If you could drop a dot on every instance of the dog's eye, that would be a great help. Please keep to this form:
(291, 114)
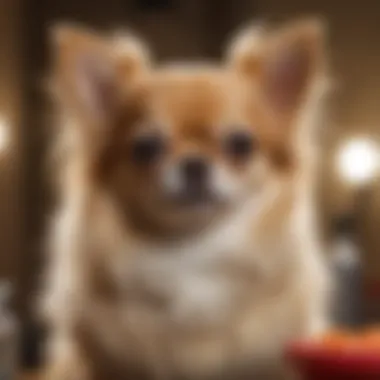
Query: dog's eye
(240, 145)
(146, 149)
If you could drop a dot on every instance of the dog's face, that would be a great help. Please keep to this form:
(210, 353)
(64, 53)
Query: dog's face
(177, 146)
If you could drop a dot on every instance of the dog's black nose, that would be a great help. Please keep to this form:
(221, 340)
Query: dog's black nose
(195, 171)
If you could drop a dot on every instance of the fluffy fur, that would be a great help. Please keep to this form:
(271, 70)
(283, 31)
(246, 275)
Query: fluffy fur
(144, 283)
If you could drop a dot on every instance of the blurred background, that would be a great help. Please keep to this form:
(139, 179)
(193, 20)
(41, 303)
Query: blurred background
(349, 186)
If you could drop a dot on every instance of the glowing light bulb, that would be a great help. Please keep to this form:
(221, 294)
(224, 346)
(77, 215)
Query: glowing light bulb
(358, 161)
(4, 135)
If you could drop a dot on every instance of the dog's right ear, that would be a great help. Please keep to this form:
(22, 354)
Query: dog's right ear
(91, 72)
(284, 64)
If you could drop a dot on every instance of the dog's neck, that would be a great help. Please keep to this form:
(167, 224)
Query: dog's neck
(166, 229)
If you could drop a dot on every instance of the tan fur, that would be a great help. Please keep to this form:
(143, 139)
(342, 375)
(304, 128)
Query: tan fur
(136, 288)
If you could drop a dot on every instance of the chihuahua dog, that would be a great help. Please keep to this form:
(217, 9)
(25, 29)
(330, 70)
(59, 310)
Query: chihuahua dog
(184, 243)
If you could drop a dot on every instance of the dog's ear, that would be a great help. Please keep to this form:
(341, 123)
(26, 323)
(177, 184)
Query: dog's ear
(91, 72)
(282, 63)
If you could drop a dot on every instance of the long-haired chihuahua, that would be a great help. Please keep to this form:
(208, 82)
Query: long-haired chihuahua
(184, 244)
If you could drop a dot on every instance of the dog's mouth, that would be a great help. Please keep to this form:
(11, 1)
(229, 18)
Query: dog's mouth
(196, 197)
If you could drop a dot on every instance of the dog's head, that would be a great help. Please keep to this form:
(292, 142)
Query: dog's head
(176, 146)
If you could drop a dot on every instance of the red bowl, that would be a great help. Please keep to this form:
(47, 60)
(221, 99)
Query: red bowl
(313, 361)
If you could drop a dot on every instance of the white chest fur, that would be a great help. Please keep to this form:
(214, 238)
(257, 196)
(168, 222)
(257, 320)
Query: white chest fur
(193, 278)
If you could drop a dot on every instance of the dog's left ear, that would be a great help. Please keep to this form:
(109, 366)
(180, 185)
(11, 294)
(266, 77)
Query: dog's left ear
(284, 64)
(91, 71)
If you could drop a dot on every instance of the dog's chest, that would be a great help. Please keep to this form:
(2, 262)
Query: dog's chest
(192, 282)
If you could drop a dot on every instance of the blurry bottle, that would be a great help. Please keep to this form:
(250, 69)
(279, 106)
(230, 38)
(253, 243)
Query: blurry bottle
(347, 266)
(8, 335)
